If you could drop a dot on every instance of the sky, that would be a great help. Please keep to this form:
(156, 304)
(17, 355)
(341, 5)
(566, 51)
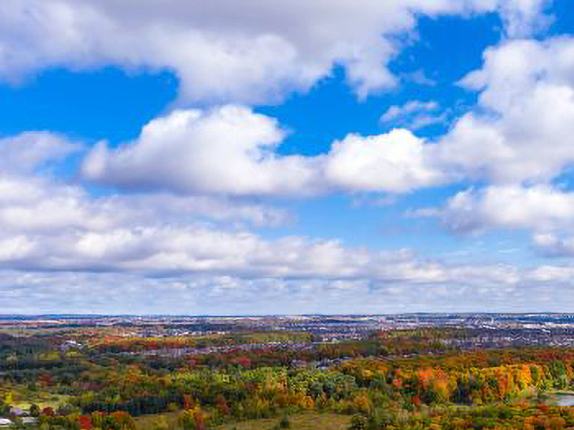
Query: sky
(301, 157)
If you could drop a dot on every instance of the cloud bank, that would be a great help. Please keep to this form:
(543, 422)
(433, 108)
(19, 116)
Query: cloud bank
(251, 51)
(181, 208)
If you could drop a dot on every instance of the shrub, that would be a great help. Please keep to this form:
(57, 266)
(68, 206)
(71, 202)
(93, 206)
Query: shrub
(359, 422)
(284, 423)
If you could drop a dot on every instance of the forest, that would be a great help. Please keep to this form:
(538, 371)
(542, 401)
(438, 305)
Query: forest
(73, 378)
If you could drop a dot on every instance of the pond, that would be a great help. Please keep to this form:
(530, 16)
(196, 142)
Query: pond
(562, 399)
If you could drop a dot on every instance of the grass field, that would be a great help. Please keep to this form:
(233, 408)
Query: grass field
(306, 421)
(169, 420)
(298, 422)
(24, 401)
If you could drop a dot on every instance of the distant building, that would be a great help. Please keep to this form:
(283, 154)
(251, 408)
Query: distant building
(69, 344)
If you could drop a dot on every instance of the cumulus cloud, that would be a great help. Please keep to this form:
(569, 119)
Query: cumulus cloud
(55, 227)
(247, 51)
(134, 255)
(232, 150)
(396, 112)
(554, 245)
(50, 225)
(35, 204)
(73, 292)
(524, 17)
(516, 142)
(397, 161)
(58, 226)
(469, 289)
(414, 115)
(32, 199)
(515, 135)
(229, 149)
(181, 243)
(518, 133)
(539, 207)
(68, 251)
(27, 152)
(546, 211)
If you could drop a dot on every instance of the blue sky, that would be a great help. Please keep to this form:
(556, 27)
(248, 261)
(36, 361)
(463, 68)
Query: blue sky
(316, 157)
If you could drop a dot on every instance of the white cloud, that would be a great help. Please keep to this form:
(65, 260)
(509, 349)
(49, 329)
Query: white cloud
(15, 248)
(36, 206)
(57, 242)
(396, 162)
(414, 106)
(49, 225)
(538, 207)
(554, 245)
(524, 17)
(29, 151)
(32, 200)
(517, 142)
(231, 150)
(515, 135)
(414, 115)
(227, 150)
(552, 274)
(245, 51)
(518, 133)
(153, 247)
(59, 227)
(419, 77)
(252, 268)
(56, 292)
(102, 292)
(63, 249)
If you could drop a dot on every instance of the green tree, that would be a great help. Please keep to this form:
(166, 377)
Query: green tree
(359, 422)
(34, 410)
(284, 423)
